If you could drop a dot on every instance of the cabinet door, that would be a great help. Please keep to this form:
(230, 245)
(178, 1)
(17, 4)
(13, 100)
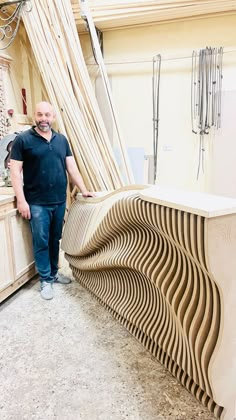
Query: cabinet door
(22, 248)
(6, 258)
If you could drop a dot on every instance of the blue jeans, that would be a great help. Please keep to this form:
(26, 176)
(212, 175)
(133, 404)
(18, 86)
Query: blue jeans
(46, 226)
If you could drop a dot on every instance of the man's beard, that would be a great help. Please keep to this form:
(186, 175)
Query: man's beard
(44, 128)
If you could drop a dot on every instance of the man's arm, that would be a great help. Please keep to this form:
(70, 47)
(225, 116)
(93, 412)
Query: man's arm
(76, 177)
(17, 183)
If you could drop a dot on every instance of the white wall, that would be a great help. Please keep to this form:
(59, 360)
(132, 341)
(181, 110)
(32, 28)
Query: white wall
(132, 92)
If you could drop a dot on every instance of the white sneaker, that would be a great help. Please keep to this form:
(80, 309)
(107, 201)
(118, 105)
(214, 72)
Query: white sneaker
(47, 290)
(60, 278)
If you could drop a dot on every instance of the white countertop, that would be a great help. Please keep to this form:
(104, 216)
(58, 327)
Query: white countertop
(202, 204)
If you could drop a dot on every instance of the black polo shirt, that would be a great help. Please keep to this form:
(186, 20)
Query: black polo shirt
(44, 166)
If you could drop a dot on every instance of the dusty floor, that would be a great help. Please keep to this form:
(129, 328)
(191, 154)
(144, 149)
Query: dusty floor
(69, 359)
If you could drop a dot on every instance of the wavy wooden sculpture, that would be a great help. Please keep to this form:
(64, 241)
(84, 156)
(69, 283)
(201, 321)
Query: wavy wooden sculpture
(164, 263)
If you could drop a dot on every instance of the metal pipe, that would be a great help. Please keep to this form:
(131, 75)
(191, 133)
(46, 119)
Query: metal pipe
(10, 3)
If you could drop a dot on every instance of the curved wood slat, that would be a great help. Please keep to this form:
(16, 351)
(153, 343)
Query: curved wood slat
(149, 265)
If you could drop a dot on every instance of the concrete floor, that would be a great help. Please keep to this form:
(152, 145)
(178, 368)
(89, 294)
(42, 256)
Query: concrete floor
(69, 359)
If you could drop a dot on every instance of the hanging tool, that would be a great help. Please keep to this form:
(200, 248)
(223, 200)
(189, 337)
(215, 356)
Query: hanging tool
(156, 71)
(206, 92)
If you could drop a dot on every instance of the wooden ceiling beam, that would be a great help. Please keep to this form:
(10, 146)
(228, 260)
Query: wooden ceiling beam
(108, 15)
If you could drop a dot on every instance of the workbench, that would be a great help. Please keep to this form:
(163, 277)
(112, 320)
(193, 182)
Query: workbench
(16, 256)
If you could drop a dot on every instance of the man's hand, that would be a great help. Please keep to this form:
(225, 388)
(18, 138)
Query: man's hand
(24, 209)
(76, 177)
(87, 194)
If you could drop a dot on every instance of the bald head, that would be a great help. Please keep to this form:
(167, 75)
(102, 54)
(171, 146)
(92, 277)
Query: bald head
(44, 116)
(44, 107)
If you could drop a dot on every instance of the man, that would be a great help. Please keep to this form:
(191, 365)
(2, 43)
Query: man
(44, 156)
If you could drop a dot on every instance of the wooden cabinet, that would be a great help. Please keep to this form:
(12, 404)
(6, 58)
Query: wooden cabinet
(16, 255)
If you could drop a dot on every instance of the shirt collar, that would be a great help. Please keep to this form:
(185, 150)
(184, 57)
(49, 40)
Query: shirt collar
(33, 131)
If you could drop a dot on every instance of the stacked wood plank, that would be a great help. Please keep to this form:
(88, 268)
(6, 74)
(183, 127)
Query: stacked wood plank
(53, 35)
(112, 14)
(163, 263)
